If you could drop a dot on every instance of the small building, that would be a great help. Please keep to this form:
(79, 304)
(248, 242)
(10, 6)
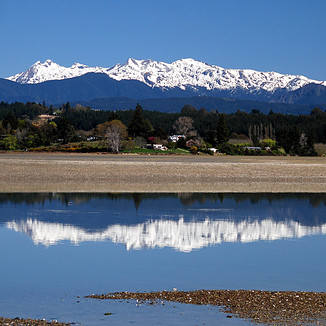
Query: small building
(159, 147)
(175, 138)
(253, 148)
(47, 117)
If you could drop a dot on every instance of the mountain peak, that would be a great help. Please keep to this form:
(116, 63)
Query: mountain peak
(183, 73)
(46, 63)
(78, 65)
(132, 61)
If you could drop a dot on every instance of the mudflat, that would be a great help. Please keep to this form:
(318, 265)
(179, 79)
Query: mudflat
(47, 172)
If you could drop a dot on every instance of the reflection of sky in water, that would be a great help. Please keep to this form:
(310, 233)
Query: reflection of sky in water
(44, 279)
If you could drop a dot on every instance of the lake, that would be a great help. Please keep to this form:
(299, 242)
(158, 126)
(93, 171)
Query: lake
(57, 248)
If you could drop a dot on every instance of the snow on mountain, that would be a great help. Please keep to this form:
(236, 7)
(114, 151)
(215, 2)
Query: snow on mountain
(182, 73)
(180, 235)
(40, 72)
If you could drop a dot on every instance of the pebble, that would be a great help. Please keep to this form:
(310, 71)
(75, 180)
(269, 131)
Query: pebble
(258, 307)
(29, 322)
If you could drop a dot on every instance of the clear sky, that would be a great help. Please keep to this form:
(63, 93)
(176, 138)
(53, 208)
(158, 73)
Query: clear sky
(287, 36)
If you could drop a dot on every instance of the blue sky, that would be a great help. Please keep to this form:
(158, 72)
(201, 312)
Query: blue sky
(286, 36)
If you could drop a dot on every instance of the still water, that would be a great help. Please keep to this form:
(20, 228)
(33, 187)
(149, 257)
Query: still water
(56, 248)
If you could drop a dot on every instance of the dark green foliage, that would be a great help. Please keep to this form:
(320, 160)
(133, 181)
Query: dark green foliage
(211, 137)
(295, 133)
(289, 139)
(222, 130)
(65, 130)
(20, 109)
(181, 143)
(295, 142)
(50, 132)
(188, 110)
(139, 126)
(10, 121)
(159, 133)
(173, 105)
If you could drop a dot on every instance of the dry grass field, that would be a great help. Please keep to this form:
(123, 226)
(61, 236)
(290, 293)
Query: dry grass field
(32, 172)
(320, 149)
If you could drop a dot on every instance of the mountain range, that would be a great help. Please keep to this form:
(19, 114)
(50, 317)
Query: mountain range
(147, 79)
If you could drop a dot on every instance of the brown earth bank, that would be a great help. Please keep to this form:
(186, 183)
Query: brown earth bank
(29, 322)
(258, 307)
(46, 172)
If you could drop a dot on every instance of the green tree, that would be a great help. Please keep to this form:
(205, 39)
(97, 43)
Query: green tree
(50, 131)
(188, 109)
(66, 132)
(10, 122)
(139, 126)
(222, 130)
(289, 139)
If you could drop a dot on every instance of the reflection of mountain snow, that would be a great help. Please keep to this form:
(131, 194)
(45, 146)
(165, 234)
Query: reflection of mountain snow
(180, 235)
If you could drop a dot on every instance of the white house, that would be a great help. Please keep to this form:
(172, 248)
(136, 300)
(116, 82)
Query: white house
(175, 138)
(160, 147)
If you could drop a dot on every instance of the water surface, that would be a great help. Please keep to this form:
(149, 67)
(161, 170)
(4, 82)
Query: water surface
(58, 247)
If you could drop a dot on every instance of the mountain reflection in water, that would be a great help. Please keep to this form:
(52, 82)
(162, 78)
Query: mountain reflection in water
(180, 235)
(181, 221)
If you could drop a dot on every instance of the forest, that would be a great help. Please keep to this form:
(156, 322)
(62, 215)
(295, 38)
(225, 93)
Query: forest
(31, 126)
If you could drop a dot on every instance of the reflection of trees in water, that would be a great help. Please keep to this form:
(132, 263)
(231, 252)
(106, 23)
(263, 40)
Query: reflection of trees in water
(137, 197)
(187, 199)
(26, 198)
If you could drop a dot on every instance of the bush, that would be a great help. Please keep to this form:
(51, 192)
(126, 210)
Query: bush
(230, 149)
(10, 143)
(128, 145)
(193, 150)
(171, 145)
(268, 143)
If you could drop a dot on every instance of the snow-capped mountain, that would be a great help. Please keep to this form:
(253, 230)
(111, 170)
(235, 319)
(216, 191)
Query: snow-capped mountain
(182, 74)
(40, 72)
(180, 235)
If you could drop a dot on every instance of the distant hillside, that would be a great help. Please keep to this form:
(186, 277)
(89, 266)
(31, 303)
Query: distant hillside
(311, 93)
(85, 87)
(171, 105)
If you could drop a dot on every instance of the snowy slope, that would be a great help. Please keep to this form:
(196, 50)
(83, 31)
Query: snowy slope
(182, 73)
(40, 72)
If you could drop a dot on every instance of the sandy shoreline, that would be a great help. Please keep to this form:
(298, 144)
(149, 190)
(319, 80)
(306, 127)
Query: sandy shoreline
(34, 172)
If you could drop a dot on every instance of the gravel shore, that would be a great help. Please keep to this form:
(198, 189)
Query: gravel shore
(34, 172)
(259, 307)
(29, 322)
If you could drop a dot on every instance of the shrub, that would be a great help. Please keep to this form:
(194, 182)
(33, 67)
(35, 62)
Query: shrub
(128, 145)
(10, 143)
(268, 143)
(194, 150)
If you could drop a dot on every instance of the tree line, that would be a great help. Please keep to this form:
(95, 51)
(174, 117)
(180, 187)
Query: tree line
(20, 128)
